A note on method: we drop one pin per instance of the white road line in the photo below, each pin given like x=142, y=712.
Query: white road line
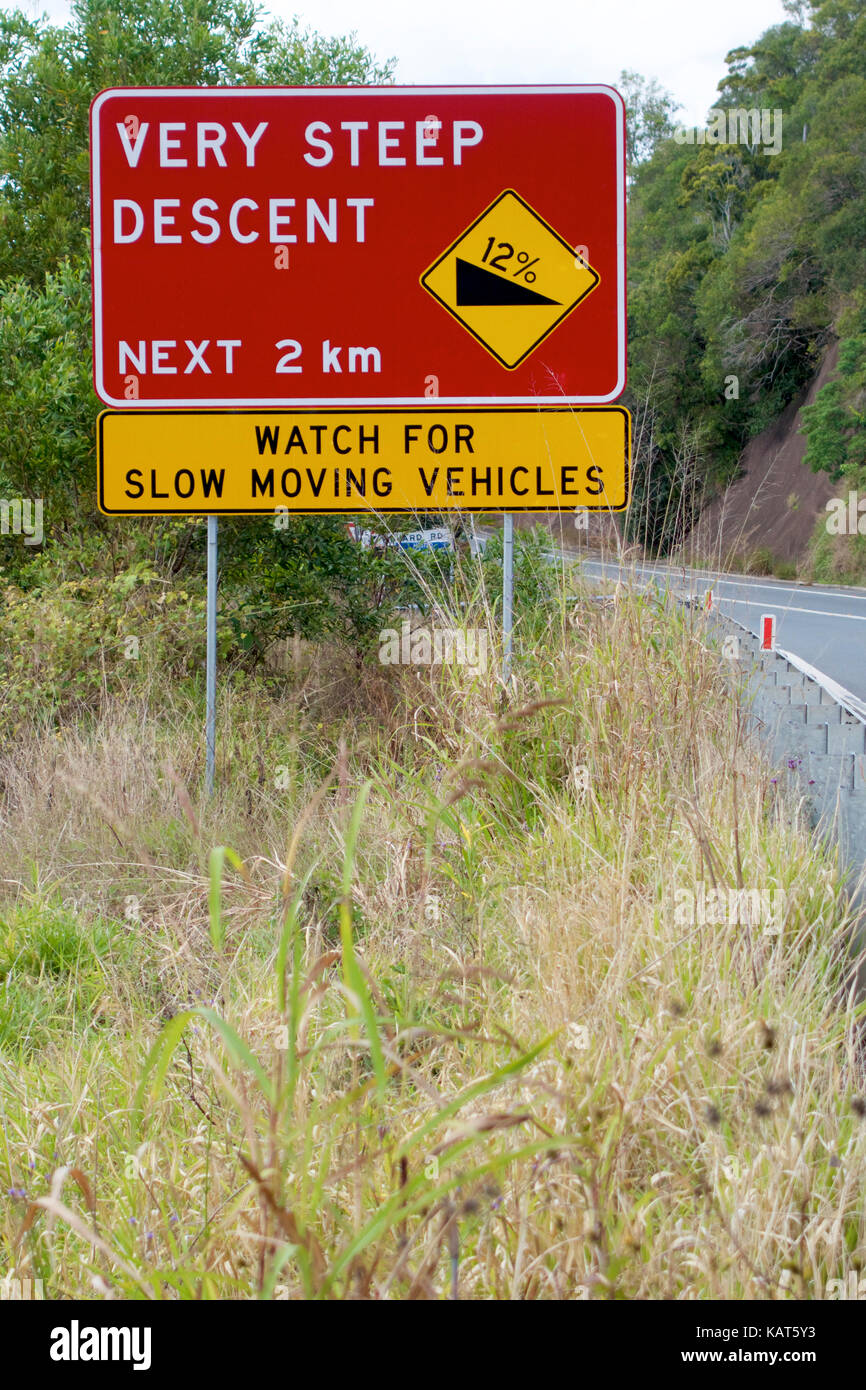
x=785, y=589
x=676, y=573
x=789, y=608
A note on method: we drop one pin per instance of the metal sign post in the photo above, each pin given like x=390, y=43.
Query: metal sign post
x=507, y=592
x=210, y=699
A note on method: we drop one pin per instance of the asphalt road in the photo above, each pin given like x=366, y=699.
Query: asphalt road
x=822, y=624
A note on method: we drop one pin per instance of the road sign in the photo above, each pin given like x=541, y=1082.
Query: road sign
x=358, y=246
x=357, y=460
x=429, y=538
x=510, y=301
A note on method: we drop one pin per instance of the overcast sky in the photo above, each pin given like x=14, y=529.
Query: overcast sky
x=681, y=42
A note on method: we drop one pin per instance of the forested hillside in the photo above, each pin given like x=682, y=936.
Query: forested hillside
x=745, y=262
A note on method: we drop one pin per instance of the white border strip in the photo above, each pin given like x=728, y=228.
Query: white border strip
x=355, y=93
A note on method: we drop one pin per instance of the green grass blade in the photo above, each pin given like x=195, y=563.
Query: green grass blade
x=352, y=972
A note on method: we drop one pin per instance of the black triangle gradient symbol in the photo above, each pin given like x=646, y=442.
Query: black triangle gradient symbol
x=481, y=287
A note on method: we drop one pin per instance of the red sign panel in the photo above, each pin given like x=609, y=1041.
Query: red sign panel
x=358, y=246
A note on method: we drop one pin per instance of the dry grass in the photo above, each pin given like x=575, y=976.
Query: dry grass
x=445, y=1032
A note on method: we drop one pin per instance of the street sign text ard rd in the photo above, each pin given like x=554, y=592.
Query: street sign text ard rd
x=363, y=460
x=272, y=247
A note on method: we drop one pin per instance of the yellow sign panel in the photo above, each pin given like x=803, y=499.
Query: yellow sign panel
x=350, y=461
x=510, y=279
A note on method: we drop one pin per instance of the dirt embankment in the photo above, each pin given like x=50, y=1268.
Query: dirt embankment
x=763, y=520
x=771, y=508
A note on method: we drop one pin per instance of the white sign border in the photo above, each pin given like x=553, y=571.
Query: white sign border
x=284, y=402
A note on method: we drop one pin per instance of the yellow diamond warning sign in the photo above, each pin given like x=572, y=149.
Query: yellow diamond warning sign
x=510, y=279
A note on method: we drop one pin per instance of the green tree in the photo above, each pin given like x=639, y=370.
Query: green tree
x=772, y=72
x=649, y=112
x=744, y=266
x=49, y=75
x=310, y=578
x=47, y=406
x=835, y=424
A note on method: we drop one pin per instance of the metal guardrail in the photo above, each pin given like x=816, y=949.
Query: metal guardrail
x=815, y=732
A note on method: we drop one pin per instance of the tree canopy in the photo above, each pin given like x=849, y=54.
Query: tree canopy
x=745, y=263
x=308, y=577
